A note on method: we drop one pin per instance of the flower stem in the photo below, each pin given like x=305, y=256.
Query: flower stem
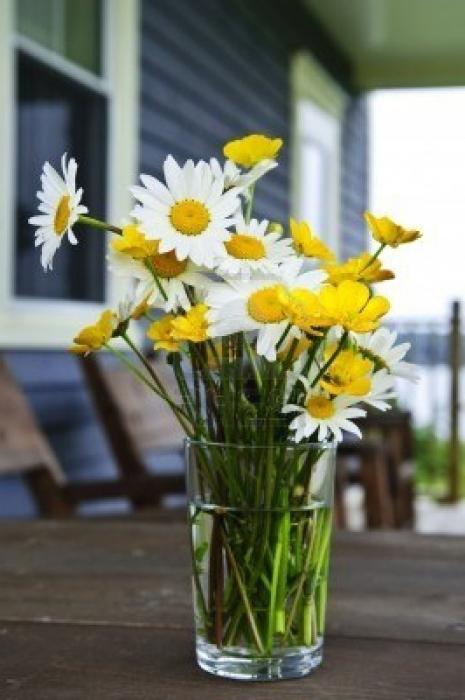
x=177, y=410
x=96, y=223
x=374, y=256
x=253, y=362
x=330, y=361
x=149, y=267
x=248, y=211
x=243, y=594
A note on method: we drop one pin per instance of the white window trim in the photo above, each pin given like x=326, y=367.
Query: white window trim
x=310, y=82
x=35, y=323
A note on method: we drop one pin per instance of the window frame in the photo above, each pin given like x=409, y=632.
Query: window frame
x=313, y=87
x=43, y=323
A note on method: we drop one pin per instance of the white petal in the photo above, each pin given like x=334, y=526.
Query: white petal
x=160, y=190
x=174, y=178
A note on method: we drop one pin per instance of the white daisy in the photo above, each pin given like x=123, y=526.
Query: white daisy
x=379, y=346
x=191, y=214
x=251, y=250
x=323, y=415
x=382, y=385
x=129, y=305
x=172, y=274
x=60, y=207
x=254, y=305
x=234, y=177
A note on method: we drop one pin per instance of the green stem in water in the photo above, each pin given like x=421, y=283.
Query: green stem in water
x=243, y=594
x=96, y=223
x=273, y=593
x=284, y=535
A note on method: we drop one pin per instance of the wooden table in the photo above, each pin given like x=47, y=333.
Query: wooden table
x=101, y=610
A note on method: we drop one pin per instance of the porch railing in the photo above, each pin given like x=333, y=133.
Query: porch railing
x=438, y=348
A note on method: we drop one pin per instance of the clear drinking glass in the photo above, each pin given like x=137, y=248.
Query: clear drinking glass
x=260, y=519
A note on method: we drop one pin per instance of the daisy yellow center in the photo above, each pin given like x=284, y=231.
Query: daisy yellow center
x=320, y=407
x=166, y=265
x=60, y=222
x=189, y=217
x=264, y=305
x=245, y=247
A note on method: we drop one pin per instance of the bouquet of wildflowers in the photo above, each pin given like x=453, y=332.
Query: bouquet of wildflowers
x=272, y=342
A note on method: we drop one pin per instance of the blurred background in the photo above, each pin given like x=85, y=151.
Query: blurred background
x=366, y=95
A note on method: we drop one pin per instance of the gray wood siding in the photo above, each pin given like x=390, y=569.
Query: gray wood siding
x=211, y=70
x=354, y=176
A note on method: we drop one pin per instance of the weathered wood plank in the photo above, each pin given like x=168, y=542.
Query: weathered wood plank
x=383, y=585
x=72, y=662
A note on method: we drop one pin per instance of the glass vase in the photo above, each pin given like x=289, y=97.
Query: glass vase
x=260, y=526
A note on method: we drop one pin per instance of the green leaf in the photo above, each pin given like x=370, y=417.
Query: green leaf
x=200, y=552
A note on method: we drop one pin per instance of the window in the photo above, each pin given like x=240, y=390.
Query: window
x=68, y=82
x=70, y=28
x=318, y=191
x=318, y=111
x=56, y=112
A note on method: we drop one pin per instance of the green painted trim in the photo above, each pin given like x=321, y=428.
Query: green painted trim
x=309, y=80
x=393, y=73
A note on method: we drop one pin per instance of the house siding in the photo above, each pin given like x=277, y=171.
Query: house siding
x=211, y=70
x=354, y=176
x=217, y=69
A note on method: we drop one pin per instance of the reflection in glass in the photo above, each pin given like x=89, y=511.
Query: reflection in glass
x=71, y=28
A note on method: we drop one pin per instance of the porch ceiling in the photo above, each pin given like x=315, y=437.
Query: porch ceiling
x=398, y=43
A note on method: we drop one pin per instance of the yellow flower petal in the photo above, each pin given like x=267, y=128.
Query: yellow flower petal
x=134, y=243
x=386, y=231
x=304, y=310
x=160, y=333
x=352, y=296
x=94, y=337
x=350, y=306
x=348, y=374
x=357, y=269
x=252, y=149
x=193, y=326
x=305, y=243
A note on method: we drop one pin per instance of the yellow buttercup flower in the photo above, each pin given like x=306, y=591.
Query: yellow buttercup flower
x=252, y=149
x=160, y=333
x=358, y=269
x=134, y=243
x=350, y=306
x=386, y=231
x=304, y=310
x=348, y=374
x=305, y=243
x=94, y=337
x=192, y=326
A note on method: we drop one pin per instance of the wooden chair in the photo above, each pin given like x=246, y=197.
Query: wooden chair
x=365, y=463
x=137, y=424
x=382, y=464
x=393, y=430
x=25, y=451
